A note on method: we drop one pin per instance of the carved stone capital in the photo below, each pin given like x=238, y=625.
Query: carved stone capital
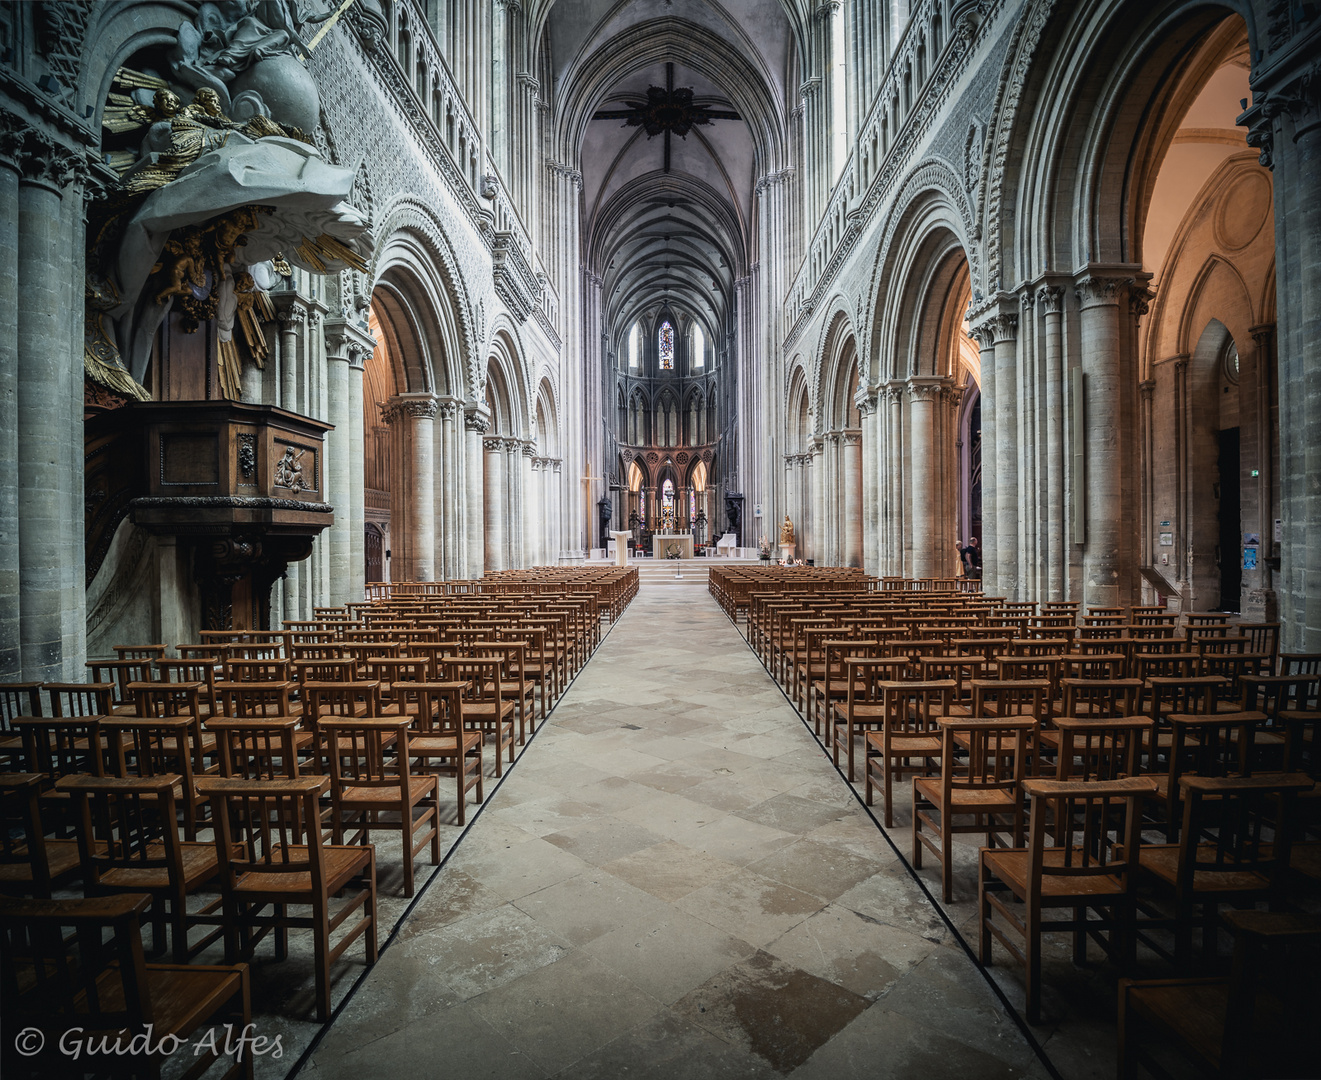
x=529, y=449
x=46, y=163
x=1262, y=335
x=493, y=444
x=1139, y=300
x=1096, y=290
x=1004, y=328
x=413, y=406
x=851, y=438
x=290, y=313
x=447, y=410
x=476, y=421
x=983, y=335
x=1051, y=299
x=926, y=390
x=1147, y=387
x=564, y=172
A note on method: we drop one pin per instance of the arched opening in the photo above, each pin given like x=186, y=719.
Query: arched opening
x=1207, y=438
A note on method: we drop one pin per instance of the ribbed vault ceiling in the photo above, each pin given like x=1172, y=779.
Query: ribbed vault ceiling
x=683, y=235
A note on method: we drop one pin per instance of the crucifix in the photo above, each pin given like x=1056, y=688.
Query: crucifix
x=666, y=110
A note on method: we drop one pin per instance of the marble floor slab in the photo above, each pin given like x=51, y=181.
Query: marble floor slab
x=672, y=881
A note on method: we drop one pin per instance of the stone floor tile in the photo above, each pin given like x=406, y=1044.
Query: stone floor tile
x=823, y=869
x=772, y=1010
x=668, y=954
x=753, y=907
x=669, y=870
x=486, y=950
x=564, y=1011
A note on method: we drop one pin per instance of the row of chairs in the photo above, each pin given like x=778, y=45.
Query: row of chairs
x=156, y=788
x=1131, y=804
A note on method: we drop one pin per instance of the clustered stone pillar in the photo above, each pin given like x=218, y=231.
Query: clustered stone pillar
x=48, y=476
x=985, y=338
x=494, y=502
x=1285, y=122
x=11, y=660
x=346, y=345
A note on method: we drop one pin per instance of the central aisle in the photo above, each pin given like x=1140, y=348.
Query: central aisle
x=673, y=882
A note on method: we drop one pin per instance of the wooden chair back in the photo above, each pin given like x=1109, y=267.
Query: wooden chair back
x=80, y=699
x=264, y=749
x=1101, y=748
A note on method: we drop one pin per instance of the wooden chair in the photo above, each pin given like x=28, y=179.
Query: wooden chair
x=158, y=746
x=30, y=862
x=984, y=783
x=1100, y=747
x=1258, y=1022
x=483, y=706
x=120, y=674
x=1094, y=830
x=95, y=979
x=438, y=741
x=909, y=740
x=368, y=780
x=16, y=699
x=265, y=749
x=253, y=700
x=129, y=841
x=286, y=864
x=1233, y=849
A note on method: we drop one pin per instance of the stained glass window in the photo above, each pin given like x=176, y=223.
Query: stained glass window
x=667, y=346
x=667, y=504
x=633, y=337
x=699, y=346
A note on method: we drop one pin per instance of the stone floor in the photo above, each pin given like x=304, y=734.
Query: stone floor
x=672, y=882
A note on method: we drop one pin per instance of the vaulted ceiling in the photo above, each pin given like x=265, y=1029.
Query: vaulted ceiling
x=686, y=233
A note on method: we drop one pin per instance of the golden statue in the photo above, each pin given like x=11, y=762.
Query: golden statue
x=787, y=531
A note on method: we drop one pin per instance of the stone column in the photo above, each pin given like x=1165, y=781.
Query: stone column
x=814, y=486
x=11, y=146
x=922, y=398
x=413, y=486
x=1103, y=554
x=292, y=315
x=896, y=501
x=1006, y=552
x=1051, y=299
x=557, y=502
x=475, y=423
x=536, y=488
x=446, y=497
x=1285, y=122
x=515, y=505
x=337, y=470
x=357, y=476
x=851, y=450
x=49, y=469
x=494, y=510
x=867, y=409
x=985, y=338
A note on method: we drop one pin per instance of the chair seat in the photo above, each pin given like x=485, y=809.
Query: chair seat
x=340, y=862
x=905, y=745
x=377, y=796
x=966, y=801
x=1162, y=860
x=200, y=863
x=61, y=858
x=1197, y=1011
x=1010, y=866
x=442, y=745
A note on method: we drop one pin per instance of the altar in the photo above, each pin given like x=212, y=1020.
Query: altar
x=663, y=543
